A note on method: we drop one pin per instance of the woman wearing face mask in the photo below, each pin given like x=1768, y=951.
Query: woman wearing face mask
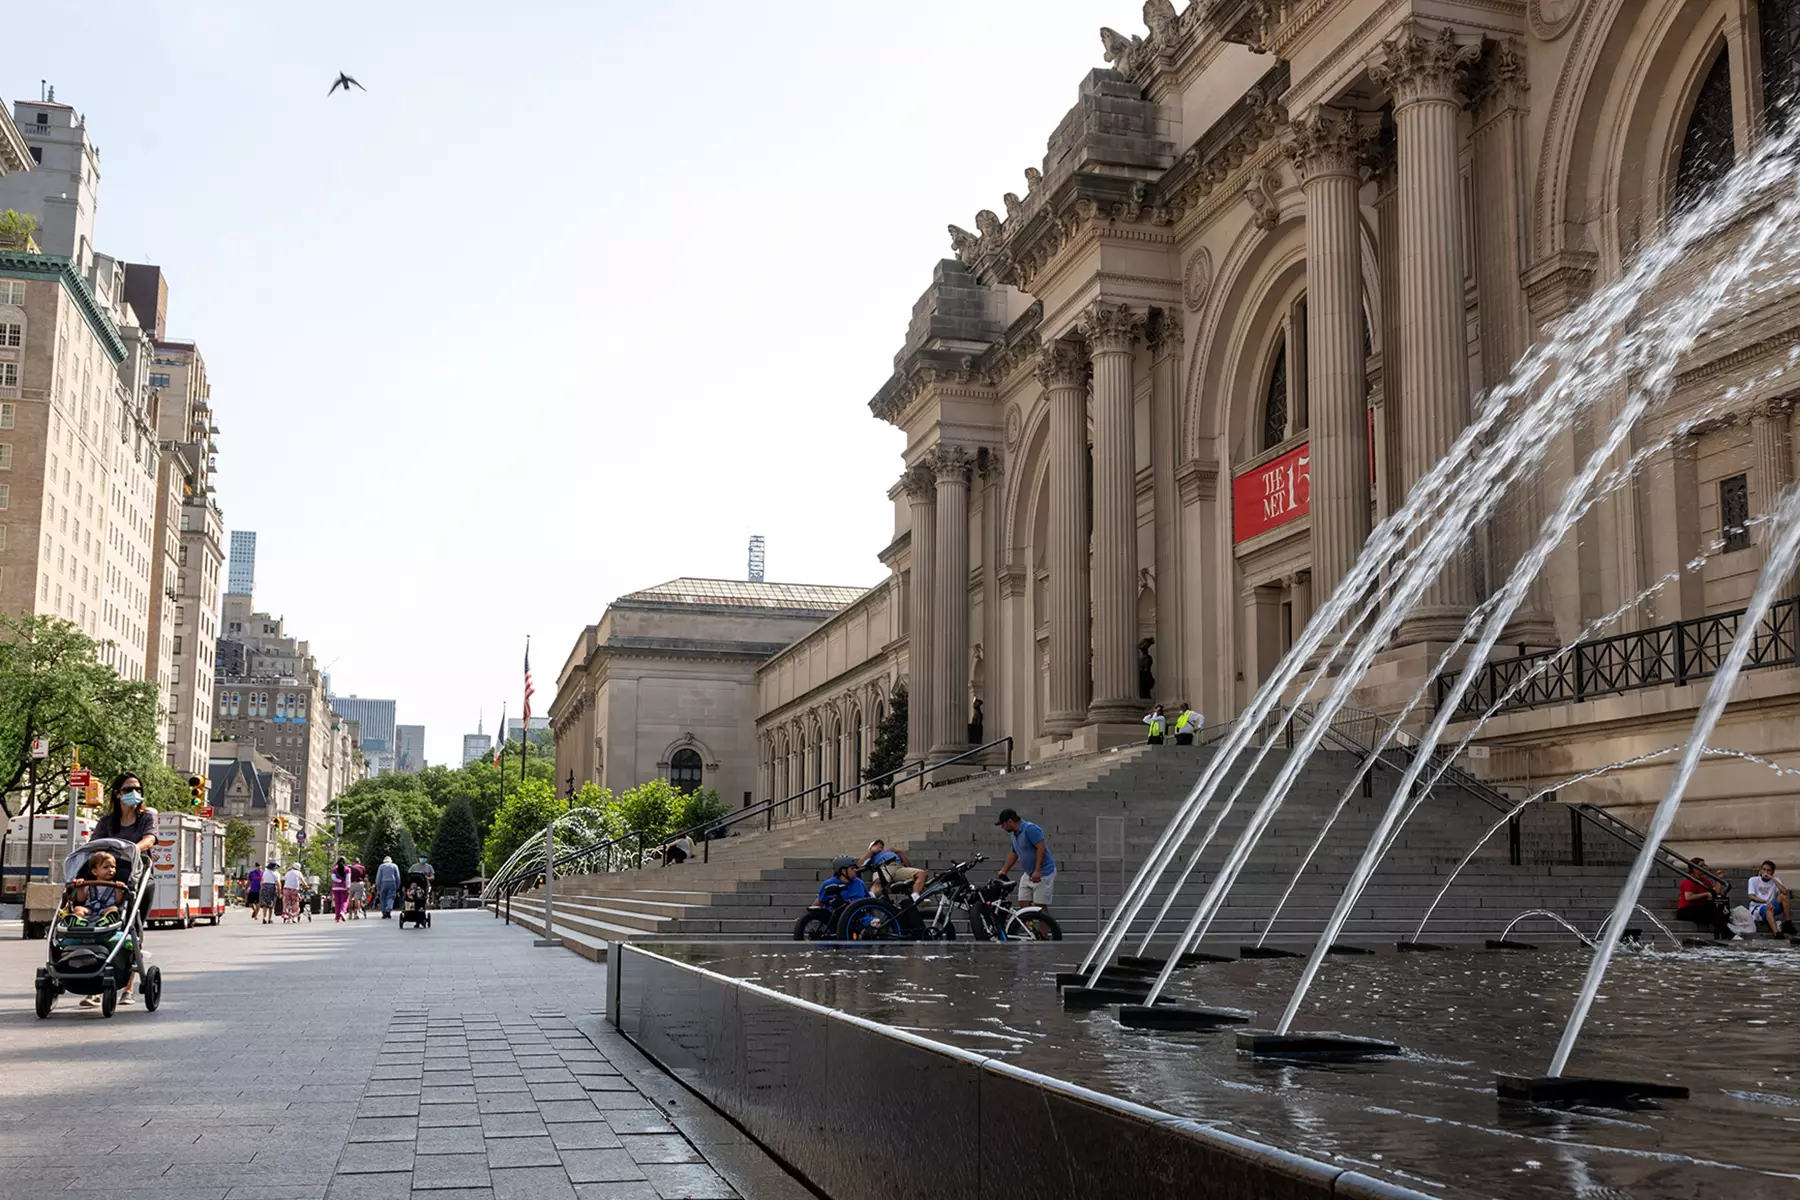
x=128, y=819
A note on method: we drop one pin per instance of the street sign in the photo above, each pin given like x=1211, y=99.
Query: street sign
x=80, y=777
x=40, y=747
x=205, y=810
x=300, y=838
x=1478, y=752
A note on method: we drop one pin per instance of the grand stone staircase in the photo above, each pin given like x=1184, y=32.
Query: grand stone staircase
x=1102, y=815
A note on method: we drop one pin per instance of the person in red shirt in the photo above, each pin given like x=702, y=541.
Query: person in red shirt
x=1698, y=904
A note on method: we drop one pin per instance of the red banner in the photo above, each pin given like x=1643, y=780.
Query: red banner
x=1279, y=491
x=1273, y=494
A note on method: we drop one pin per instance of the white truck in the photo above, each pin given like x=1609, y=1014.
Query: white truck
x=187, y=871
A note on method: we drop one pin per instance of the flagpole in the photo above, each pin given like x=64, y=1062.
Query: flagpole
x=525, y=721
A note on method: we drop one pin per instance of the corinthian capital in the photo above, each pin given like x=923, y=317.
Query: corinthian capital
x=1499, y=82
x=1061, y=364
x=920, y=480
x=990, y=462
x=951, y=464
x=1111, y=327
x=1328, y=141
x=1424, y=66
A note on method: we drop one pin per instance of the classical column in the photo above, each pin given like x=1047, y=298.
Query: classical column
x=1062, y=370
x=1387, y=259
x=1163, y=333
x=920, y=482
x=1327, y=150
x=1421, y=73
x=950, y=610
x=1769, y=426
x=991, y=469
x=1112, y=331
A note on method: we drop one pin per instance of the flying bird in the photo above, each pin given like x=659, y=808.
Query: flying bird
x=345, y=82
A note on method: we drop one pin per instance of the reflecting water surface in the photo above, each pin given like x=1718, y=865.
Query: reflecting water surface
x=1720, y=1021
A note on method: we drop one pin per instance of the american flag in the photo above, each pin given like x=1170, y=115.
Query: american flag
x=528, y=688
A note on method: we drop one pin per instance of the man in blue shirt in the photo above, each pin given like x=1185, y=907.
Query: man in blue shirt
x=890, y=869
x=1032, y=854
x=843, y=886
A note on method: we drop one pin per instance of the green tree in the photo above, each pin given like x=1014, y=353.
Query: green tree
x=389, y=837
x=363, y=801
x=488, y=786
x=456, y=850
x=237, y=842
x=53, y=686
x=889, y=752
x=165, y=788
x=16, y=228
x=525, y=813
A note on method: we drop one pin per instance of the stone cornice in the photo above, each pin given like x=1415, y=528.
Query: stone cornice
x=47, y=267
x=1741, y=357
x=1559, y=283
x=1212, y=172
x=947, y=372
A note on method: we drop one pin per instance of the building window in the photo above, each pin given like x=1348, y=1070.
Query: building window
x=5, y=495
x=159, y=379
x=1779, y=23
x=1275, y=402
x=11, y=333
x=9, y=375
x=7, y=415
x=684, y=771
x=12, y=291
x=1708, y=148
x=1734, y=512
x=5, y=456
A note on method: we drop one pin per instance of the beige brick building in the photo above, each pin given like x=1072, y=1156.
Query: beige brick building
x=665, y=684
x=271, y=697
x=249, y=786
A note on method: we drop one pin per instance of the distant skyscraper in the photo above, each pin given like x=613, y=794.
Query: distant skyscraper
x=515, y=728
x=758, y=558
x=409, y=748
x=240, y=578
x=377, y=720
x=476, y=745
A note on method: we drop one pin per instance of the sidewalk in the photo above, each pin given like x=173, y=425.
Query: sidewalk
x=361, y=1061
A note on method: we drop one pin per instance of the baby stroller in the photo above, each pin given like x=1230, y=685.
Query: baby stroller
x=415, y=900
x=96, y=956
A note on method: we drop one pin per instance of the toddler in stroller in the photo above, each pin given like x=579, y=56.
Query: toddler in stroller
x=415, y=900
x=97, y=936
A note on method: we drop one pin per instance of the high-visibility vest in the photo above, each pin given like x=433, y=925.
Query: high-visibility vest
x=1156, y=727
x=1181, y=722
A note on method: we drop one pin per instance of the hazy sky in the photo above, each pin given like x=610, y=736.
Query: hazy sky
x=573, y=300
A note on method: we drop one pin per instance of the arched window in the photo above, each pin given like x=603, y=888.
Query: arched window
x=1779, y=22
x=1275, y=401
x=1708, y=148
x=857, y=760
x=684, y=770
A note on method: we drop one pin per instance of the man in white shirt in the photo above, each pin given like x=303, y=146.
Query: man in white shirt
x=1771, y=901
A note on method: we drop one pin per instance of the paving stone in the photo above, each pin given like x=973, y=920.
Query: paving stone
x=689, y=1182
x=393, y=1087
x=514, y=1124
x=647, y=1120
x=393, y=1186
x=495, y=1085
x=660, y=1148
x=600, y=1166
x=568, y=1110
x=449, y=1094
x=522, y=1152
x=449, y=1170
x=606, y=1083
x=469, y=1193
x=616, y=1191
x=365, y=1158
x=384, y=1128
x=442, y=1115
x=557, y=1091
x=496, y=1070
x=455, y=1139
x=277, y=1191
x=584, y=1135
x=388, y=1106
x=618, y=1101
x=506, y=1102
x=531, y=1183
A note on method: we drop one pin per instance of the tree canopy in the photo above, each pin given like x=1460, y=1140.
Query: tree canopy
x=54, y=686
x=889, y=752
x=456, y=848
x=389, y=837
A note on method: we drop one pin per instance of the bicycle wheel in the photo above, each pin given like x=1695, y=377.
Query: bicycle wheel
x=1033, y=926
x=981, y=926
x=868, y=921
x=812, y=927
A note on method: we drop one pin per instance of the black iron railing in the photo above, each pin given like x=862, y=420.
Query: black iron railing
x=920, y=770
x=1678, y=653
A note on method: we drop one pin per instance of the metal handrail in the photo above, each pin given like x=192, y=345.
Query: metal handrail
x=1677, y=653
x=925, y=769
x=1398, y=757
x=507, y=886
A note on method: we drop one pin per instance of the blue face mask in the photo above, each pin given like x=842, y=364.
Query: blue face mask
x=131, y=799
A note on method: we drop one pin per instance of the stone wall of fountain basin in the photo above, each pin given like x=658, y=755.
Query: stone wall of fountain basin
x=866, y=1112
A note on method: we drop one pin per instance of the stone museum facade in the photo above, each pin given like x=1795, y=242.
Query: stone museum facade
x=1155, y=404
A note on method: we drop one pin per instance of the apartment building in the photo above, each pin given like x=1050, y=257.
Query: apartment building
x=275, y=703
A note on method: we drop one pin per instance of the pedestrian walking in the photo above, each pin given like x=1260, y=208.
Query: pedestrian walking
x=1032, y=855
x=252, y=890
x=387, y=885
x=271, y=886
x=359, y=889
x=340, y=888
x=291, y=883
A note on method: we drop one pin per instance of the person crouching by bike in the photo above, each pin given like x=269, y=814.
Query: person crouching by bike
x=888, y=867
x=1032, y=854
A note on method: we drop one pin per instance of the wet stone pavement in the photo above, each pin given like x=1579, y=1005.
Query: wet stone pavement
x=322, y=1061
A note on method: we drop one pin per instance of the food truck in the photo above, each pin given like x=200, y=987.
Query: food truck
x=40, y=884
x=187, y=871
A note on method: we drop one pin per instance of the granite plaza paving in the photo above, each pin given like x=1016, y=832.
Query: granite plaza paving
x=358, y=1061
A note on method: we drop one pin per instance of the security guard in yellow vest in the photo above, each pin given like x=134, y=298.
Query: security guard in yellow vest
x=1157, y=723
x=1187, y=723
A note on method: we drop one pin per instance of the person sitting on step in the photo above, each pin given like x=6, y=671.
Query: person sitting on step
x=1771, y=901
x=1697, y=903
x=891, y=866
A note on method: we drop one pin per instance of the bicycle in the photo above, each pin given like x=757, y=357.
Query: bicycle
x=875, y=918
x=992, y=920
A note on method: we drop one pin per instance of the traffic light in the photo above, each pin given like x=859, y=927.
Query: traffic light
x=197, y=789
